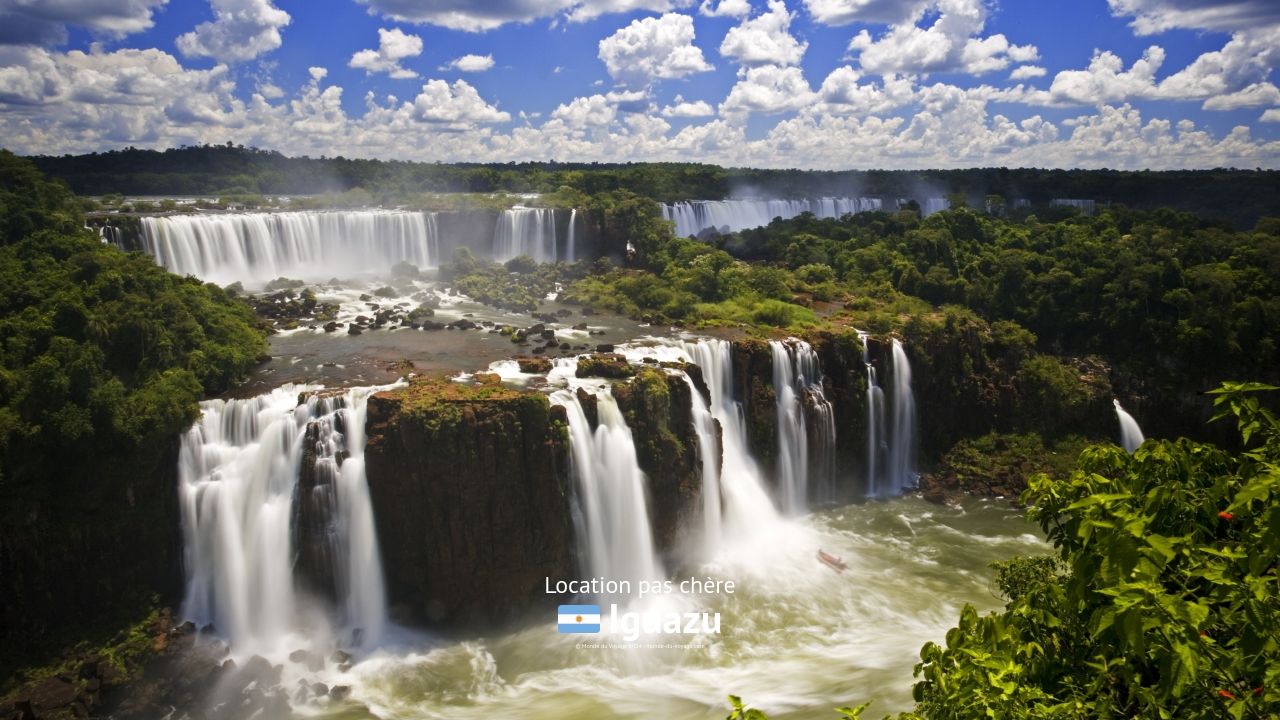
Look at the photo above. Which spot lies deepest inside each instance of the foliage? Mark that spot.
(1164, 600)
(102, 351)
(1000, 463)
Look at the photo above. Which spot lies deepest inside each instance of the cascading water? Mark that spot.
(1131, 436)
(525, 231)
(256, 247)
(797, 382)
(238, 472)
(746, 505)
(933, 205)
(875, 421)
(571, 249)
(616, 538)
(902, 449)
(694, 216)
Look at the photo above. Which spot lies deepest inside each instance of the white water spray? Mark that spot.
(1131, 436)
(525, 231)
(238, 478)
(617, 538)
(902, 449)
(694, 216)
(256, 247)
(797, 380)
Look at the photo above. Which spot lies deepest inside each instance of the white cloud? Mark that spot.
(1156, 16)
(841, 93)
(1255, 95)
(767, 89)
(479, 16)
(393, 47)
(24, 22)
(1271, 115)
(765, 39)
(951, 44)
(470, 63)
(682, 108)
(725, 8)
(1106, 80)
(1245, 60)
(586, 111)
(457, 106)
(1026, 72)
(650, 49)
(241, 30)
(843, 12)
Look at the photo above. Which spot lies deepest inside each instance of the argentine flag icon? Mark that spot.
(578, 619)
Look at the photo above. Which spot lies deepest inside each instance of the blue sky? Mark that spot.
(779, 83)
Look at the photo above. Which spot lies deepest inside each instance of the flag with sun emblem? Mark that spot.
(578, 619)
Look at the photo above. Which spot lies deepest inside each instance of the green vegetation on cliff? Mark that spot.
(1162, 600)
(104, 358)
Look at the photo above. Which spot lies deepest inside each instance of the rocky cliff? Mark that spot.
(470, 488)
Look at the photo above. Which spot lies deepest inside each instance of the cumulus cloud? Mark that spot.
(1156, 16)
(23, 22)
(1272, 115)
(394, 45)
(1106, 80)
(241, 30)
(1246, 59)
(765, 40)
(842, 93)
(473, 16)
(1026, 72)
(455, 106)
(843, 12)
(952, 43)
(1255, 95)
(682, 108)
(767, 89)
(725, 8)
(650, 49)
(470, 63)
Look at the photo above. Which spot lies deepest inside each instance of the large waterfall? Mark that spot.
(797, 384)
(256, 247)
(745, 503)
(1131, 436)
(891, 442)
(694, 216)
(571, 246)
(525, 231)
(902, 450)
(615, 534)
(241, 500)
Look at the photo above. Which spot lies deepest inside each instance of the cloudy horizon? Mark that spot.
(821, 84)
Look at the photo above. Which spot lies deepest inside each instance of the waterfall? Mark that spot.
(1085, 206)
(745, 506)
(797, 381)
(571, 247)
(1130, 433)
(694, 216)
(256, 247)
(902, 449)
(616, 538)
(704, 425)
(875, 420)
(239, 491)
(933, 205)
(525, 231)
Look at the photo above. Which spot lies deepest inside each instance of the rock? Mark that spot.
(51, 694)
(314, 661)
(432, 325)
(319, 689)
(535, 365)
(580, 326)
(339, 657)
(564, 312)
(354, 330)
(340, 692)
(486, 378)
(548, 334)
(535, 330)
(331, 326)
(364, 297)
(607, 365)
(463, 324)
(604, 348)
(456, 472)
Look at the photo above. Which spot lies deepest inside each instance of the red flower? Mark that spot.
(1257, 690)
(1227, 695)
(1226, 515)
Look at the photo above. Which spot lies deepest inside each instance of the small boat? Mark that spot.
(832, 561)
